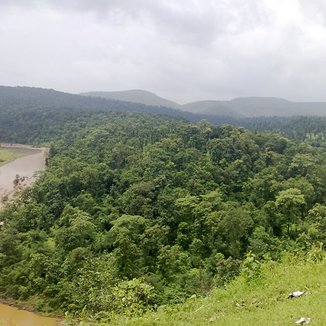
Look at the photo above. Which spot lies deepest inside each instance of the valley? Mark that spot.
(162, 163)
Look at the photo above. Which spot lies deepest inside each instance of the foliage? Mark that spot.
(253, 303)
(251, 268)
(135, 211)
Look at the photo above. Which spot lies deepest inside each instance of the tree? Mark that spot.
(125, 240)
(290, 203)
(77, 229)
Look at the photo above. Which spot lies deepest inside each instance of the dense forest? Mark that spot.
(137, 210)
(297, 128)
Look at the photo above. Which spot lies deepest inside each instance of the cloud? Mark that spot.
(185, 50)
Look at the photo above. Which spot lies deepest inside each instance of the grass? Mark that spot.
(10, 154)
(264, 302)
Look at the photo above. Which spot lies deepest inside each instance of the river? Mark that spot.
(12, 316)
(26, 167)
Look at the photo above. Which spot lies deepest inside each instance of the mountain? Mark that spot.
(242, 107)
(23, 99)
(136, 96)
(33, 97)
(219, 112)
(257, 107)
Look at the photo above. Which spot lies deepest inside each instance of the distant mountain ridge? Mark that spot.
(39, 108)
(144, 101)
(242, 107)
(135, 96)
(33, 99)
(22, 97)
(258, 107)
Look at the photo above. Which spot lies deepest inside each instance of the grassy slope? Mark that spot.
(264, 302)
(10, 154)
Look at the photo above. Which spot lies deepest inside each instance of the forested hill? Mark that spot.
(47, 111)
(34, 115)
(135, 211)
(30, 115)
(142, 101)
(32, 97)
(32, 104)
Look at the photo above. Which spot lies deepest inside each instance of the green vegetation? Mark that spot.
(308, 129)
(56, 112)
(34, 115)
(261, 301)
(10, 154)
(136, 211)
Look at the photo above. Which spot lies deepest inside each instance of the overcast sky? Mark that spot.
(184, 50)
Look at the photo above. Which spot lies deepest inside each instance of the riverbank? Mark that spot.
(20, 172)
(28, 162)
(9, 153)
(12, 315)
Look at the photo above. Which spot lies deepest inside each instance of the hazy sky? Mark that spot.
(181, 49)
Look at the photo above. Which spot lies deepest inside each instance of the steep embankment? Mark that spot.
(263, 301)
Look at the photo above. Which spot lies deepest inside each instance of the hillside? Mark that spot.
(19, 105)
(32, 97)
(29, 114)
(263, 301)
(136, 96)
(136, 211)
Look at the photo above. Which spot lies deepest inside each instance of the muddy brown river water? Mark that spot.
(11, 316)
(25, 167)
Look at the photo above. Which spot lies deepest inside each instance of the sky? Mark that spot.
(184, 50)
